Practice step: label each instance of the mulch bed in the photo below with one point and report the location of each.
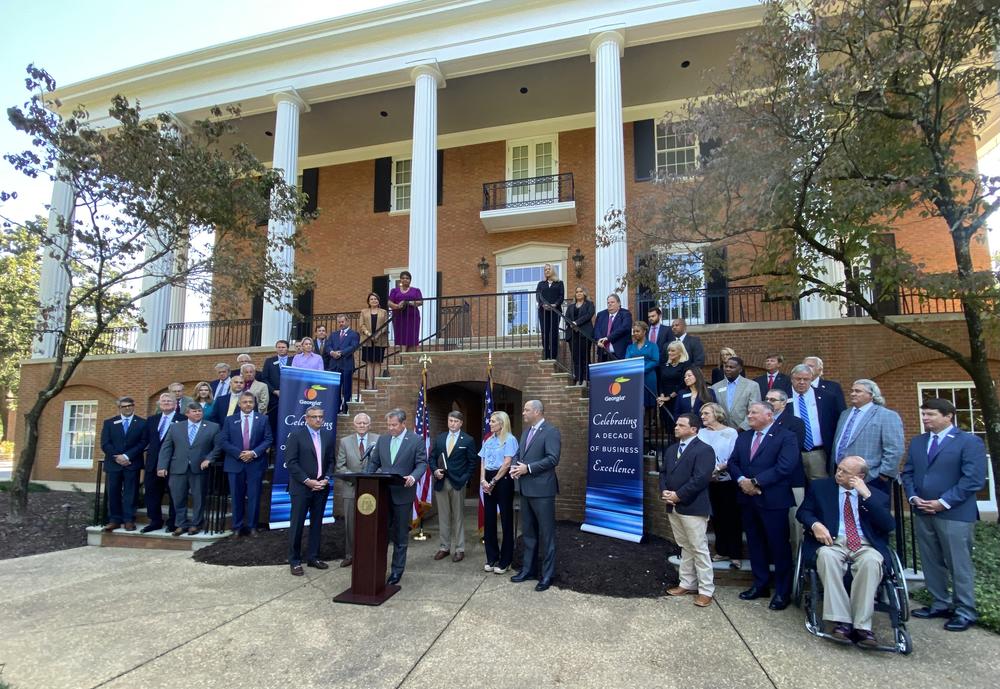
(56, 520)
(270, 548)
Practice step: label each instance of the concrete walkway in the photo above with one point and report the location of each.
(105, 617)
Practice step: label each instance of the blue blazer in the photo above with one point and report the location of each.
(955, 474)
(773, 466)
(114, 441)
(232, 440)
(153, 437)
(621, 330)
(219, 409)
(781, 382)
(829, 413)
(822, 504)
(832, 387)
(346, 345)
(682, 403)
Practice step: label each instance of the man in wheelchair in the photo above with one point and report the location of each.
(847, 526)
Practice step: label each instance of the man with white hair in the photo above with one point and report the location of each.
(830, 387)
(869, 430)
(258, 389)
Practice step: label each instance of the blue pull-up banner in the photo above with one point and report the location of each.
(614, 459)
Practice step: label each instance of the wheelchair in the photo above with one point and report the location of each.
(892, 597)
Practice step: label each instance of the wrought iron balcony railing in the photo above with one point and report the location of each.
(531, 191)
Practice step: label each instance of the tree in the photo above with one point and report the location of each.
(19, 296)
(144, 191)
(833, 122)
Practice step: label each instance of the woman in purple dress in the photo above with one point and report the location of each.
(405, 303)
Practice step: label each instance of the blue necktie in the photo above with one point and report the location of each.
(845, 439)
(804, 415)
(163, 426)
(192, 432)
(125, 420)
(933, 449)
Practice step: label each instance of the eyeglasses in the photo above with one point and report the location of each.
(125, 406)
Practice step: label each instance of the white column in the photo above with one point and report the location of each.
(178, 296)
(422, 258)
(611, 261)
(54, 279)
(155, 307)
(815, 307)
(277, 323)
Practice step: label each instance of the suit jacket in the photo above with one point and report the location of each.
(621, 330)
(301, 460)
(259, 390)
(772, 466)
(463, 459)
(781, 382)
(153, 437)
(411, 460)
(365, 328)
(349, 460)
(114, 441)
(878, 437)
(542, 458)
(220, 410)
(346, 345)
(832, 388)
(554, 294)
(689, 477)
(682, 403)
(790, 422)
(231, 433)
(746, 392)
(694, 347)
(827, 409)
(270, 372)
(955, 474)
(822, 504)
(582, 316)
(177, 455)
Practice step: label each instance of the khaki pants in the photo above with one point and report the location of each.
(814, 462)
(832, 562)
(451, 521)
(696, 563)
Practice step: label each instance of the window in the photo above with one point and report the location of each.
(968, 412)
(402, 174)
(519, 312)
(530, 158)
(79, 434)
(688, 301)
(676, 151)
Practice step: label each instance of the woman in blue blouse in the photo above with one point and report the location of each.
(648, 351)
(498, 492)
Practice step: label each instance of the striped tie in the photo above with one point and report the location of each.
(809, 443)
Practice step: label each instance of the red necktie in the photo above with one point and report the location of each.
(850, 528)
(246, 432)
(611, 318)
(361, 447)
(770, 381)
(758, 436)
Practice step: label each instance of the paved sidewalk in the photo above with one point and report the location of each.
(117, 618)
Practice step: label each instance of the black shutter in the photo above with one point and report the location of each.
(440, 176)
(380, 286)
(887, 300)
(256, 319)
(310, 187)
(645, 297)
(383, 185)
(304, 322)
(716, 287)
(706, 148)
(644, 146)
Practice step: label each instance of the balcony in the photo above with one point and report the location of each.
(530, 203)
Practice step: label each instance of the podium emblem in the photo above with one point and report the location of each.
(366, 504)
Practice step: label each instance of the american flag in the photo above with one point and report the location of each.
(487, 433)
(422, 500)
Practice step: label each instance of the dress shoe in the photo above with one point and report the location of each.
(681, 591)
(458, 557)
(958, 623)
(441, 554)
(500, 570)
(130, 526)
(112, 526)
(193, 530)
(297, 570)
(702, 601)
(927, 614)
(841, 631)
(169, 527)
(488, 567)
(347, 562)
(543, 585)
(317, 564)
(778, 603)
(866, 638)
(177, 532)
(522, 576)
(753, 592)
(393, 580)
(150, 527)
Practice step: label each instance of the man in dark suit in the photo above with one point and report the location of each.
(613, 330)
(402, 453)
(226, 405)
(660, 335)
(452, 460)
(156, 486)
(319, 343)
(944, 470)
(819, 412)
(123, 439)
(188, 450)
(309, 456)
(246, 438)
(221, 384)
(687, 471)
(693, 345)
(550, 294)
(339, 350)
(831, 387)
(847, 525)
(270, 374)
(762, 464)
(535, 470)
(868, 429)
(773, 378)
(778, 401)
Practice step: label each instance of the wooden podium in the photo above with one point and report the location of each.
(371, 539)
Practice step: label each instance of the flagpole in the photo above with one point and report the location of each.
(424, 359)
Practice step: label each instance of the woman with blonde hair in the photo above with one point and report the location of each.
(498, 492)
(726, 521)
(203, 396)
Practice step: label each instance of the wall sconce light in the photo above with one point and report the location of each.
(484, 270)
(578, 262)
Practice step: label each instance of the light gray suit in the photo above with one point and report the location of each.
(747, 391)
(349, 461)
(183, 461)
(877, 436)
(538, 499)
